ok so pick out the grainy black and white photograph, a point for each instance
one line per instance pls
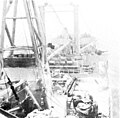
(59, 58)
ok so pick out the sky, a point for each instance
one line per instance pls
(99, 18)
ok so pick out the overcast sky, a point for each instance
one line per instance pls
(99, 18)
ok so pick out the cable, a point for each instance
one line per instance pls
(84, 20)
(57, 15)
(5, 83)
(27, 41)
(60, 21)
(52, 99)
(42, 25)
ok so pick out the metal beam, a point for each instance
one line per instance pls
(19, 18)
(14, 21)
(7, 114)
(3, 25)
(41, 30)
(58, 50)
(30, 25)
(2, 34)
(76, 29)
(8, 34)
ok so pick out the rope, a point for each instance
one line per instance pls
(52, 99)
(60, 21)
(42, 25)
(57, 16)
(6, 86)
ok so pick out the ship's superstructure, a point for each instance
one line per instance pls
(85, 62)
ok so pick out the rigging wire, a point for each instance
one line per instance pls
(57, 16)
(24, 32)
(84, 20)
(28, 50)
(10, 83)
(53, 100)
(65, 28)
(33, 28)
(2, 74)
(43, 26)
